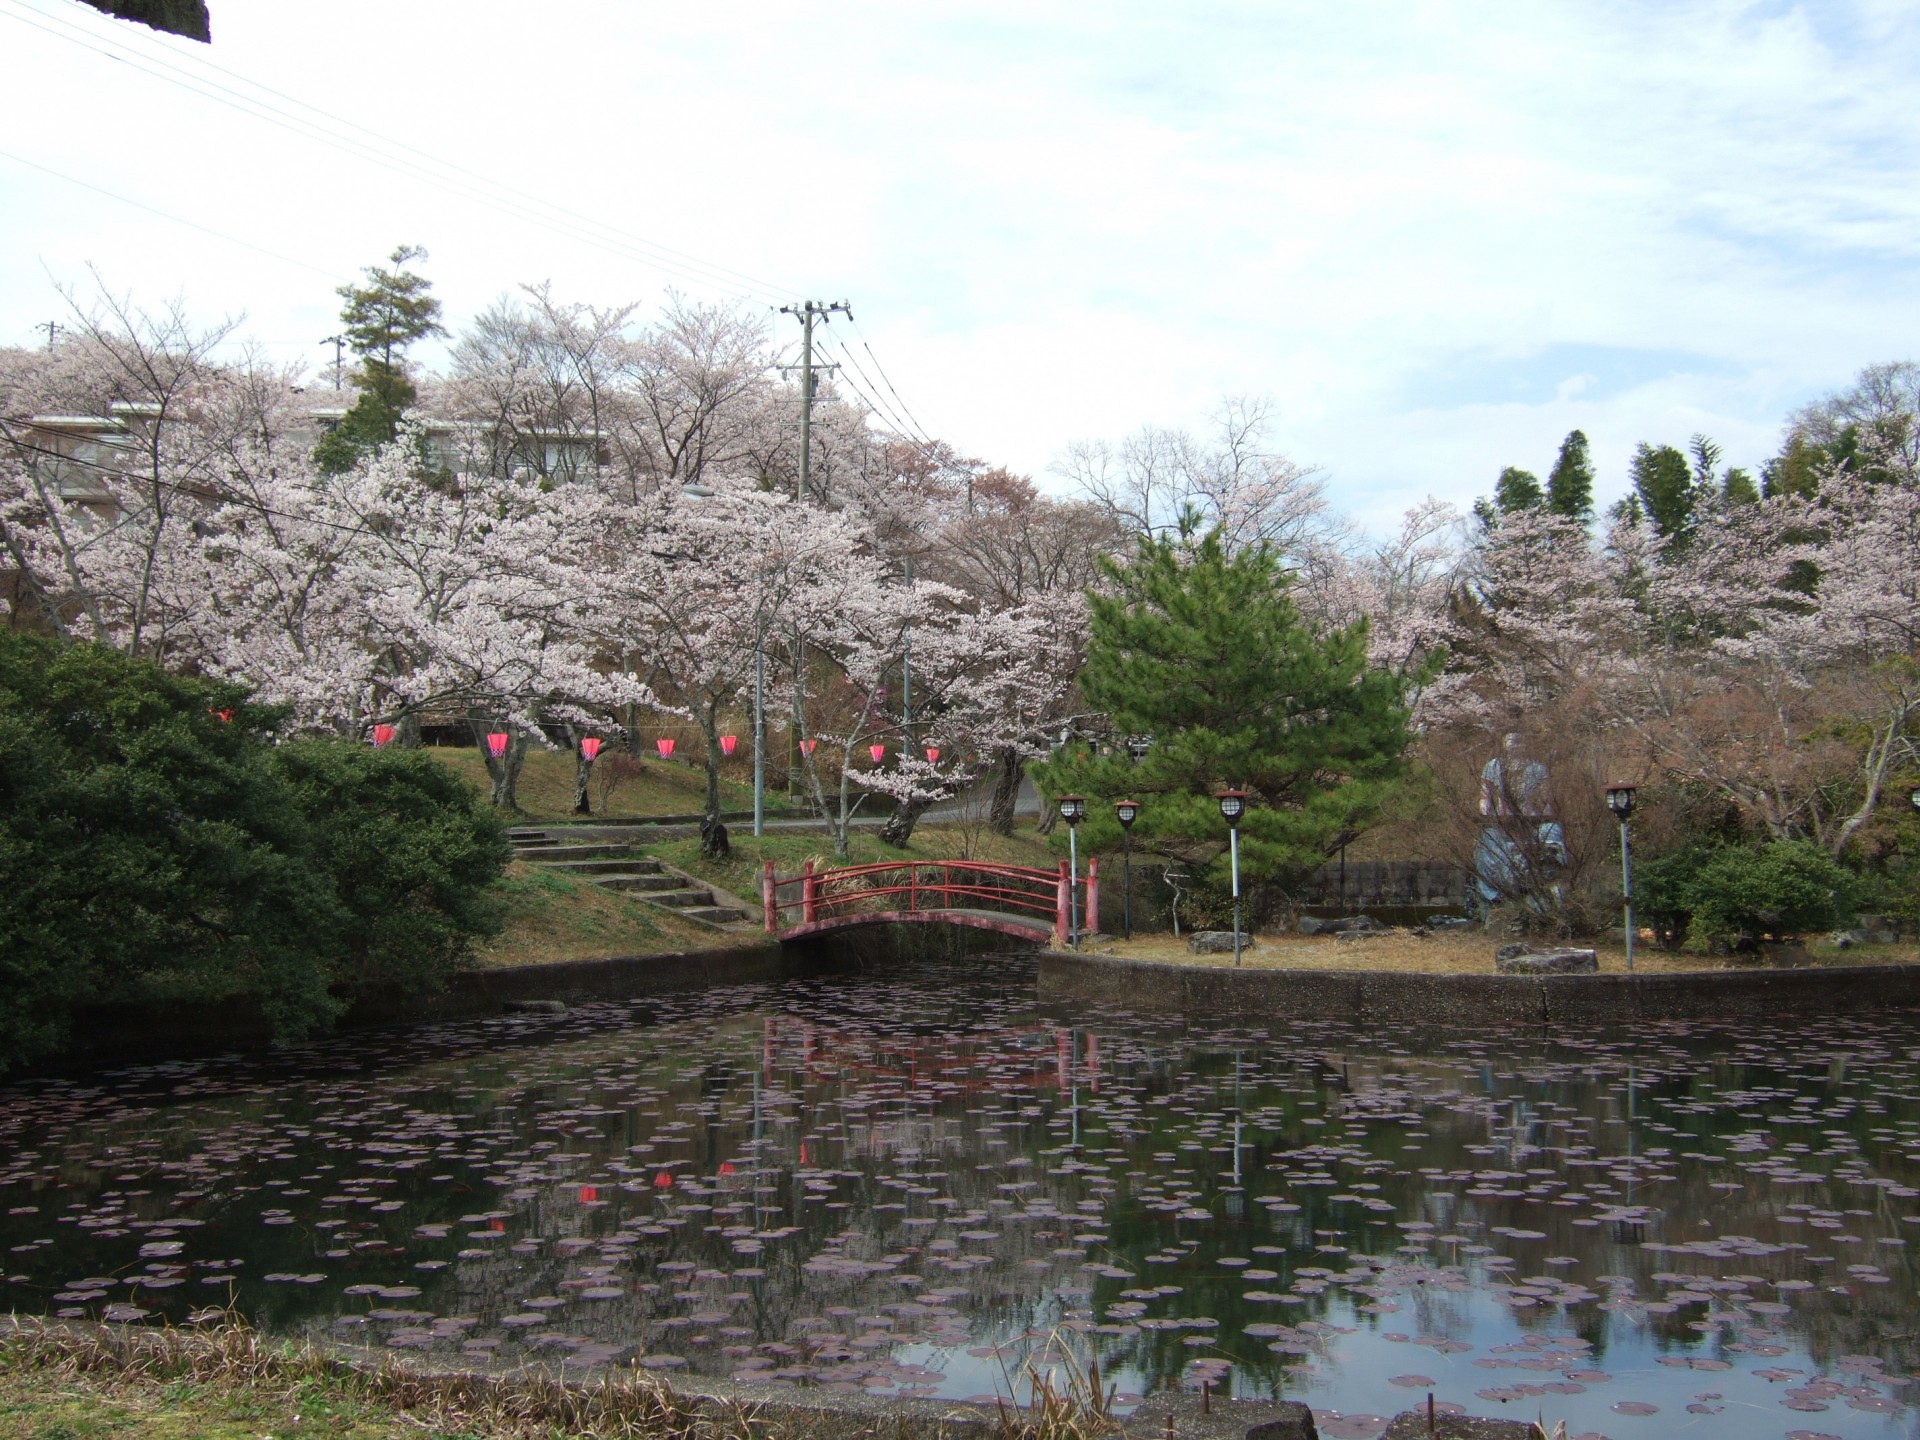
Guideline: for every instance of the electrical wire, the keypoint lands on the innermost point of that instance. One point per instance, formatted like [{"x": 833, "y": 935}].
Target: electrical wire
[
  {"x": 510, "y": 200},
  {"x": 168, "y": 215},
  {"x": 864, "y": 345}
]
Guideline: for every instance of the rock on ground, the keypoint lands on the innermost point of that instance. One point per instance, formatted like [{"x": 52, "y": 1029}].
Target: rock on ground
[
  {"x": 1216, "y": 942},
  {"x": 1525, "y": 960}
]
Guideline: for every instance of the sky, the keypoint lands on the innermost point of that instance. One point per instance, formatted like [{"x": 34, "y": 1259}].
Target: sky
[{"x": 1436, "y": 236}]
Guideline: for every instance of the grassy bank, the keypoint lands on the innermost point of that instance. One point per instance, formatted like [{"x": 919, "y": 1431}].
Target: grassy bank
[
  {"x": 228, "y": 1382},
  {"x": 660, "y": 787},
  {"x": 552, "y": 915}
]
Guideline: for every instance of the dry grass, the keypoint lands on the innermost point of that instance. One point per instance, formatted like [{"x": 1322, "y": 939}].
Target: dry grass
[
  {"x": 226, "y": 1381},
  {"x": 1469, "y": 953},
  {"x": 554, "y": 916},
  {"x": 228, "y": 1371}
]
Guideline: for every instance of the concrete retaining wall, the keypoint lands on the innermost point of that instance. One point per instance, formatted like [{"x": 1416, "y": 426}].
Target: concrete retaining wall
[
  {"x": 1397, "y": 998},
  {"x": 123, "y": 1034}
]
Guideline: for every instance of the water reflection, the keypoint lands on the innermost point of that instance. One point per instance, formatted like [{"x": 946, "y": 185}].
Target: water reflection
[{"x": 915, "y": 1185}]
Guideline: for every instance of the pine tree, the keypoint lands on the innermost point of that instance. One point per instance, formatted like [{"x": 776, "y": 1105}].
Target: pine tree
[
  {"x": 382, "y": 318},
  {"x": 1664, "y": 485},
  {"x": 1208, "y": 654},
  {"x": 1517, "y": 489},
  {"x": 1570, "y": 482}
]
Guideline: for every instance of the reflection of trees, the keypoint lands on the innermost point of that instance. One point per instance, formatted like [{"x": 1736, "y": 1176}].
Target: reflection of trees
[{"x": 888, "y": 1147}]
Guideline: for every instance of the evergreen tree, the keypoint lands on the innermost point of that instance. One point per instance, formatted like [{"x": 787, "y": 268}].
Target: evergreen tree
[
  {"x": 1207, "y": 653},
  {"x": 382, "y": 318},
  {"x": 1570, "y": 482},
  {"x": 1664, "y": 485},
  {"x": 1517, "y": 489},
  {"x": 1737, "y": 487}
]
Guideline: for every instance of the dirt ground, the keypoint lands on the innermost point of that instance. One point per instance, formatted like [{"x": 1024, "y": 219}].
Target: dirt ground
[{"x": 1460, "y": 953}]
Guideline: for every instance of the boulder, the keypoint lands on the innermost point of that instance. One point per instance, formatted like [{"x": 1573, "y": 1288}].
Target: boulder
[
  {"x": 1449, "y": 922},
  {"x": 1545, "y": 962},
  {"x": 1341, "y": 925},
  {"x": 1879, "y": 929},
  {"x": 1847, "y": 939},
  {"x": 1216, "y": 942}
]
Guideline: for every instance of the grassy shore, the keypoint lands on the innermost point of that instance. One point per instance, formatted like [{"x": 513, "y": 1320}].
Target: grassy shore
[
  {"x": 226, "y": 1381},
  {"x": 552, "y": 915}
]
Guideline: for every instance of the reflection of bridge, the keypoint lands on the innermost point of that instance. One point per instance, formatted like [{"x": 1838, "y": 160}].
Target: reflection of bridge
[{"x": 1017, "y": 900}]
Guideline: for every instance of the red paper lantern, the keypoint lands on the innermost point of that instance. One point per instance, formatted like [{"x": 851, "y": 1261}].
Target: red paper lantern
[
  {"x": 727, "y": 742},
  {"x": 497, "y": 743},
  {"x": 663, "y": 1181},
  {"x": 589, "y": 1194},
  {"x": 383, "y": 735},
  {"x": 933, "y": 754},
  {"x": 590, "y": 747},
  {"x": 878, "y": 752},
  {"x": 806, "y": 747},
  {"x": 665, "y": 745},
  {"x": 225, "y": 717}
]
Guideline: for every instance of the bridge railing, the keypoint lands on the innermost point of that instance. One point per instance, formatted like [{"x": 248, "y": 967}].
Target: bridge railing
[{"x": 917, "y": 886}]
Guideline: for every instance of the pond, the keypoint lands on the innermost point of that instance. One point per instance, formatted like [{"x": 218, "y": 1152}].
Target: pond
[{"x": 921, "y": 1183}]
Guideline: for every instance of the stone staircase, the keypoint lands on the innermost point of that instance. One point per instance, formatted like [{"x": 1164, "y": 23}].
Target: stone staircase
[{"x": 618, "y": 866}]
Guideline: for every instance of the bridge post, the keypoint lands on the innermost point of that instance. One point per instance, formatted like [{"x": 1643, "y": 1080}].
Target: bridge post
[
  {"x": 1092, "y": 912},
  {"x": 809, "y": 894},
  {"x": 1062, "y": 909},
  {"x": 767, "y": 897},
  {"x": 913, "y": 886}
]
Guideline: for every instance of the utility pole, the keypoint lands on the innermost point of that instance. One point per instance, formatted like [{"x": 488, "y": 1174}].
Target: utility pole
[
  {"x": 53, "y": 329},
  {"x": 339, "y": 343},
  {"x": 807, "y": 311}
]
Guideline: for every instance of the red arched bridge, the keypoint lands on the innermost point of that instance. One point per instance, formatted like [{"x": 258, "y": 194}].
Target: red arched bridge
[{"x": 1018, "y": 900}]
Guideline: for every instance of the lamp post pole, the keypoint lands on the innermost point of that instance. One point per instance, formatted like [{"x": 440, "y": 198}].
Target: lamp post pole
[
  {"x": 1128, "y": 811},
  {"x": 1233, "y": 804},
  {"x": 1620, "y": 802},
  {"x": 1073, "y": 809}
]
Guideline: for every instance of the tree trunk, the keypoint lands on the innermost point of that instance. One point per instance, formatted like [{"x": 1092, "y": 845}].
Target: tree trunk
[
  {"x": 710, "y": 727},
  {"x": 899, "y": 827},
  {"x": 504, "y": 772},
  {"x": 406, "y": 731},
  {"x": 1006, "y": 792},
  {"x": 582, "y": 773}
]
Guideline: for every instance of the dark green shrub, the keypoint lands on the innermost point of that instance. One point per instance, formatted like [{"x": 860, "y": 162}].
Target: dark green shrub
[
  {"x": 147, "y": 848},
  {"x": 1734, "y": 894},
  {"x": 412, "y": 854},
  {"x": 151, "y": 849}
]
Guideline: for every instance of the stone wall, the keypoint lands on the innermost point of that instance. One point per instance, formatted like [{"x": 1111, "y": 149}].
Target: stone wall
[{"x": 1446, "y": 1000}]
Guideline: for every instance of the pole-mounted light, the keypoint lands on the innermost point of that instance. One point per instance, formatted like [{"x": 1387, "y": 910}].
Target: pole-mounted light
[
  {"x": 1126, "y": 812},
  {"x": 1233, "y": 804},
  {"x": 1620, "y": 802},
  {"x": 1138, "y": 745},
  {"x": 1073, "y": 809}
]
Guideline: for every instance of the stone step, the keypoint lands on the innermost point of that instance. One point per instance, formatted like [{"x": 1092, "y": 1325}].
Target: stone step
[
  {"x": 618, "y": 865},
  {"x": 682, "y": 899},
  {"x": 572, "y": 852},
  {"x": 526, "y": 835},
  {"x": 650, "y": 885},
  {"x": 715, "y": 914}
]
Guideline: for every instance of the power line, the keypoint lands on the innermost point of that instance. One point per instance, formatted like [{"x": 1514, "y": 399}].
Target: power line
[
  {"x": 512, "y": 201},
  {"x": 883, "y": 375},
  {"x": 168, "y": 215}
]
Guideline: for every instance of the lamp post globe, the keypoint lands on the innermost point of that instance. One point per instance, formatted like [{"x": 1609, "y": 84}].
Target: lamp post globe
[
  {"x": 1915, "y": 797},
  {"x": 1073, "y": 809},
  {"x": 1233, "y": 805},
  {"x": 1620, "y": 800},
  {"x": 1126, "y": 812}
]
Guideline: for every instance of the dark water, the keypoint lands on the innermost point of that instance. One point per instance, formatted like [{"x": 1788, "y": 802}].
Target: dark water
[{"x": 925, "y": 1183}]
